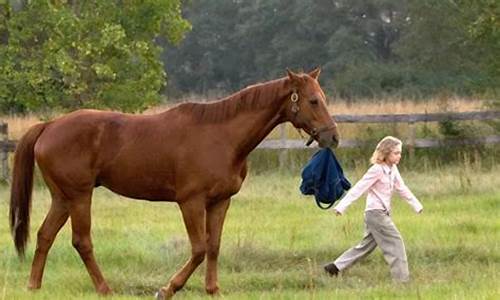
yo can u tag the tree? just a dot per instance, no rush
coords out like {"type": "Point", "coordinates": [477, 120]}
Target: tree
{"type": "Point", "coordinates": [72, 54]}
{"type": "Point", "coordinates": [366, 48]}
{"type": "Point", "coordinates": [484, 29]}
{"type": "Point", "coordinates": [262, 38]}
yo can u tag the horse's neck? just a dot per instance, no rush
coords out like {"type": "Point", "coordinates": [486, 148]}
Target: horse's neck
{"type": "Point", "coordinates": [244, 119]}
{"type": "Point", "coordinates": [253, 126]}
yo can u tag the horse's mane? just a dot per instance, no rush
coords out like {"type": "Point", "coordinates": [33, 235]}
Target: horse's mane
{"type": "Point", "coordinates": [250, 98]}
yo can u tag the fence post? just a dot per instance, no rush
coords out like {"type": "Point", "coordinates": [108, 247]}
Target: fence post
{"type": "Point", "coordinates": [283, 152]}
{"type": "Point", "coordinates": [411, 140]}
{"type": "Point", "coordinates": [4, 152]}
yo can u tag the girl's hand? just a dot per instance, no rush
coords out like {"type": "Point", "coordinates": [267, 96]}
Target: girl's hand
{"type": "Point", "coordinates": [338, 213]}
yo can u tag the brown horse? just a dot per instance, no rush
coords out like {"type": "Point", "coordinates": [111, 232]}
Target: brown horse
{"type": "Point", "coordinates": [193, 154]}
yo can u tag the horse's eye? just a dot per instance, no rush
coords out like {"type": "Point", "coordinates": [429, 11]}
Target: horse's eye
{"type": "Point", "coordinates": [313, 101]}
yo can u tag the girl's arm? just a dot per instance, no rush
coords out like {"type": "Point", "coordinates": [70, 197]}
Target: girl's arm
{"type": "Point", "coordinates": [371, 176]}
{"type": "Point", "coordinates": [404, 191]}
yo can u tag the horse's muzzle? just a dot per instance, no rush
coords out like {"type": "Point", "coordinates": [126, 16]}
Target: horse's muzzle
{"type": "Point", "coordinates": [335, 141]}
{"type": "Point", "coordinates": [328, 138]}
{"type": "Point", "coordinates": [327, 142]}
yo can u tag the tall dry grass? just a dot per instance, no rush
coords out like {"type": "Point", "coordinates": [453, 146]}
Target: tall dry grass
{"type": "Point", "coordinates": [377, 106]}
{"type": "Point", "coordinates": [18, 125]}
{"type": "Point", "coordinates": [399, 106]}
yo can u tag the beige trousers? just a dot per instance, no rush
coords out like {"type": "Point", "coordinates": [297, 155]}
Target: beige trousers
{"type": "Point", "coordinates": [379, 231]}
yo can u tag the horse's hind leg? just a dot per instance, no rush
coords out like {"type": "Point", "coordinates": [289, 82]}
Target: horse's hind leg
{"type": "Point", "coordinates": [216, 214]}
{"type": "Point", "coordinates": [55, 219]}
{"type": "Point", "coordinates": [80, 224]}
{"type": "Point", "coordinates": [193, 213]}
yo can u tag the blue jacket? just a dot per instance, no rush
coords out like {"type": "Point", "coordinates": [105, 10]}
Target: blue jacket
{"type": "Point", "coordinates": [324, 178]}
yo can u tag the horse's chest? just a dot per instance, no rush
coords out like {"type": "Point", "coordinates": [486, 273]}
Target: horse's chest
{"type": "Point", "coordinates": [224, 188]}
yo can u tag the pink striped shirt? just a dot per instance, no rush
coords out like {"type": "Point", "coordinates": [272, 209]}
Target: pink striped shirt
{"type": "Point", "coordinates": [379, 181]}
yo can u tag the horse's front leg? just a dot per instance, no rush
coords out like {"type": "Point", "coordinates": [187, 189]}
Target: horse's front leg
{"type": "Point", "coordinates": [216, 213]}
{"type": "Point", "coordinates": [193, 213]}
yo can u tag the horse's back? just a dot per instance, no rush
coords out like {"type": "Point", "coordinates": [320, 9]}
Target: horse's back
{"type": "Point", "coordinates": [88, 148]}
{"type": "Point", "coordinates": [77, 131]}
{"type": "Point", "coordinates": [71, 148]}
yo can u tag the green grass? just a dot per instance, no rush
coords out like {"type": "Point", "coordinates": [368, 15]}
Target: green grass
{"type": "Point", "coordinates": [275, 242]}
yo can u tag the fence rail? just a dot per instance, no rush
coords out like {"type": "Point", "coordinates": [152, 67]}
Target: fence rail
{"type": "Point", "coordinates": [283, 143]}
{"type": "Point", "coordinates": [417, 143]}
{"type": "Point", "coordinates": [411, 119]}
{"type": "Point", "coordinates": [414, 118]}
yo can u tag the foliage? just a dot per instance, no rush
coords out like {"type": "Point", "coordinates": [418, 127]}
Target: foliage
{"type": "Point", "coordinates": [109, 53]}
{"type": "Point", "coordinates": [84, 53]}
{"type": "Point", "coordinates": [367, 48]}
{"type": "Point", "coordinates": [485, 30]}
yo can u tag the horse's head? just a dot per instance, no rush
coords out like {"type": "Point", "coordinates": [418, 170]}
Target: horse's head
{"type": "Point", "coordinates": [306, 108]}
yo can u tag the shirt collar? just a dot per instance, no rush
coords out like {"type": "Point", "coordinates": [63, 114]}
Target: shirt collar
{"type": "Point", "coordinates": [387, 169]}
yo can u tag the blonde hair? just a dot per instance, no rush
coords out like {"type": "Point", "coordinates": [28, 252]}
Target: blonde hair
{"type": "Point", "coordinates": [384, 148]}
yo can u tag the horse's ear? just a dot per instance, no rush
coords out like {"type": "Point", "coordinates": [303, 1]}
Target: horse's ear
{"type": "Point", "coordinates": [315, 73]}
{"type": "Point", "coordinates": [293, 76]}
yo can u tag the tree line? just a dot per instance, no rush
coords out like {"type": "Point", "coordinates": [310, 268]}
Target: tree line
{"type": "Point", "coordinates": [120, 54]}
{"type": "Point", "coordinates": [367, 48]}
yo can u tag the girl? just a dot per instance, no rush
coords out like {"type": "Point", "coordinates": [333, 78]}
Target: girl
{"type": "Point", "coordinates": [379, 181]}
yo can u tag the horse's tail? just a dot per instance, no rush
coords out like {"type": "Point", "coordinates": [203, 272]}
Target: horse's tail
{"type": "Point", "coordinates": [22, 186]}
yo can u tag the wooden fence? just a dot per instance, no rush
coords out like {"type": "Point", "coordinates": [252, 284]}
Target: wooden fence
{"type": "Point", "coordinates": [283, 143]}
{"type": "Point", "coordinates": [411, 119]}
{"type": "Point", "coordinates": [6, 146]}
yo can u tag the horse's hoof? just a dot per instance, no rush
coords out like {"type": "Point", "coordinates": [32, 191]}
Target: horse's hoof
{"type": "Point", "coordinates": [163, 295]}
{"type": "Point", "coordinates": [105, 291]}
{"type": "Point", "coordinates": [159, 295]}
{"type": "Point", "coordinates": [213, 291]}
{"type": "Point", "coordinates": [34, 287]}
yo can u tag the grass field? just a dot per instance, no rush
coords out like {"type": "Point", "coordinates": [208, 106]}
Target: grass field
{"type": "Point", "coordinates": [275, 242]}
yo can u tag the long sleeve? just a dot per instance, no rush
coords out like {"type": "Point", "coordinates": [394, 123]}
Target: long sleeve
{"type": "Point", "coordinates": [371, 176]}
{"type": "Point", "coordinates": [406, 194]}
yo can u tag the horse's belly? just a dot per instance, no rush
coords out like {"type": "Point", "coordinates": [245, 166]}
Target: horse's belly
{"type": "Point", "coordinates": [141, 188]}
{"type": "Point", "coordinates": [161, 194]}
